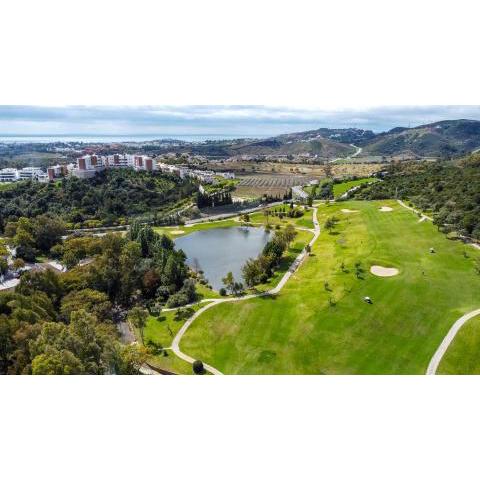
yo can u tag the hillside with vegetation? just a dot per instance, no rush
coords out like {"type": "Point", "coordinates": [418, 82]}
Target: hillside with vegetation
{"type": "Point", "coordinates": [445, 139]}
{"type": "Point", "coordinates": [451, 191]}
{"type": "Point", "coordinates": [102, 200]}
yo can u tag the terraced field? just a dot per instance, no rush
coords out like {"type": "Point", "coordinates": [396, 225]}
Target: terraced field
{"type": "Point", "coordinates": [252, 186]}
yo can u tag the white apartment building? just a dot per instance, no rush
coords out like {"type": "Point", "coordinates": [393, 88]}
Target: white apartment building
{"type": "Point", "coordinates": [88, 165]}
{"type": "Point", "coordinates": [9, 175]}
{"type": "Point", "coordinates": [27, 173]}
{"type": "Point", "coordinates": [31, 173]}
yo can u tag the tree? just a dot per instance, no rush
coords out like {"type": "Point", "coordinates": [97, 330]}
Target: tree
{"type": "Point", "coordinates": [329, 224]}
{"type": "Point", "coordinates": [138, 316]}
{"type": "Point", "coordinates": [57, 362]}
{"type": "Point", "coordinates": [18, 264]}
{"type": "Point", "coordinates": [229, 281]}
{"type": "Point", "coordinates": [89, 300]}
{"type": "Point", "coordinates": [47, 232]}
{"type": "Point", "coordinates": [251, 272]}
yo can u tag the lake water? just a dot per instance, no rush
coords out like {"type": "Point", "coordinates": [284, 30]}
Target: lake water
{"type": "Point", "coordinates": [221, 250]}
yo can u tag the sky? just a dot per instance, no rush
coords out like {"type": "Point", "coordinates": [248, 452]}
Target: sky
{"type": "Point", "coordinates": [211, 119]}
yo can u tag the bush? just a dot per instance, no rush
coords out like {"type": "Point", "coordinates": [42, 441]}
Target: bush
{"type": "Point", "coordinates": [198, 367]}
{"type": "Point", "coordinates": [177, 300]}
{"type": "Point", "coordinates": [222, 292]}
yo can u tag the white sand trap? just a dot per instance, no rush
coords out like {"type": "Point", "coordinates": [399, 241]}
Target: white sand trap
{"type": "Point", "coordinates": [177, 232]}
{"type": "Point", "coordinates": [385, 209]}
{"type": "Point", "coordinates": [346, 210]}
{"type": "Point", "coordinates": [383, 271]}
{"type": "Point", "coordinates": [422, 219]}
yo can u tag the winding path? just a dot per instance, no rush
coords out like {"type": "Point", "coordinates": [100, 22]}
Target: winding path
{"type": "Point", "coordinates": [437, 357]}
{"type": "Point", "coordinates": [292, 269]}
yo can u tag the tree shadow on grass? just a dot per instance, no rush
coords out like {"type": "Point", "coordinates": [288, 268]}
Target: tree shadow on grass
{"type": "Point", "coordinates": [269, 297]}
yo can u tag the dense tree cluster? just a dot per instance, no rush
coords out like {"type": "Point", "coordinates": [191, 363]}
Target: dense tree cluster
{"type": "Point", "coordinates": [283, 211]}
{"type": "Point", "coordinates": [214, 199]}
{"type": "Point", "coordinates": [323, 191]}
{"type": "Point", "coordinates": [101, 200]}
{"type": "Point", "coordinates": [35, 236]}
{"type": "Point", "coordinates": [44, 330]}
{"type": "Point", "coordinates": [450, 190]}
{"type": "Point", "coordinates": [258, 270]}
{"type": "Point", "coordinates": [65, 323]}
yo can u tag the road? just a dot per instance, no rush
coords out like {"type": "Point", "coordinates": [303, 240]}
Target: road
{"type": "Point", "coordinates": [293, 268]}
{"type": "Point", "coordinates": [437, 357]}
{"type": "Point", "coordinates": [223, 216]}
{"type": "Point", "coordinates": [358, 152]}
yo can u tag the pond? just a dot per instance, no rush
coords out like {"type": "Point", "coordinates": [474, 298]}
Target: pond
{"type": "Point", "coordinates": [221, 250]}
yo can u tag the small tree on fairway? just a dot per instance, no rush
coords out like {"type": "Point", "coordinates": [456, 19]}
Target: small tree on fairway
{"type": "Point", "coordinates": [198, 368]}
{"type": "Point", "coordinates": [229, 281]}
{"type": "Point", "coordinates": [138, 316]}
{"type": "Point", "coordinates": [329, 224]}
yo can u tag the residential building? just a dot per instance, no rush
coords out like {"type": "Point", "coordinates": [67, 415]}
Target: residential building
{"type": "Point", "coordinates": [9, 175]}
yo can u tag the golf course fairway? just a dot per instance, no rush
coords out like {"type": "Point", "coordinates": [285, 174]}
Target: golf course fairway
{"type": "Point", "coordinates": [320, 323]}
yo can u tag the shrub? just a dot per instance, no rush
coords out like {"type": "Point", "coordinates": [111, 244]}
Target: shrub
{"type": "Point", "coordinates": [222, 292]}
{"type": "Point", "coordinates": [198, 367]}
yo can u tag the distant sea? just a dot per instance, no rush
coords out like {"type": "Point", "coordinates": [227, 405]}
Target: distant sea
{"type": "Point", "coordinates": [119, 138]}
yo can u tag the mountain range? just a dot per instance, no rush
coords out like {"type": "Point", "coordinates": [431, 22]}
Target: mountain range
{"type": "Point", "coordinates": [444, 139]}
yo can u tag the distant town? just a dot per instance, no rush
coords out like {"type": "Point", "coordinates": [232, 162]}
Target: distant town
{"type": "Point", "coordinates": [87, 166]}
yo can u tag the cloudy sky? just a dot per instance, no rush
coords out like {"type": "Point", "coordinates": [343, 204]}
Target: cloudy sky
{"type": "Point", "coordinates": [207, 120]}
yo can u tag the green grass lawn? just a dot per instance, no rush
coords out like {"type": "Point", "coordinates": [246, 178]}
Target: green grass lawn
{"type": "Point", "coordinates": [162, 330]}
{"type": "Point", "coordinates": [180, 231]}
{"type": "Point", "coordinates": [340, 188]}
{"type": "Point", "coordinates": [463, 354]}
{"type": "Point", "coordinates": [205, 292]}
{"type": "Point", "coordinates": [298, 331]}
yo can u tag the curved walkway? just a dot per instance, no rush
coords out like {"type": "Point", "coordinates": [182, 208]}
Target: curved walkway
{"type": "Point", "coordinates": [215, 301]}
{"type": "Point", "coordinates": [437, 357]}
{"type": "Point", "coordinates": [414, 210]}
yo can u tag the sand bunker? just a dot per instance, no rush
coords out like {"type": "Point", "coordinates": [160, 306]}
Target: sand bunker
{"type": "Point", "coordinates": [422, 219]}
{"type": "Point", "coordinates": [383, 271]}
{"type": "Point", "coordinates": [346, 210]}
{"type": "Point", "coordinates": [176, 232]}
{"type": "Point", "coordinates": [386, 209]}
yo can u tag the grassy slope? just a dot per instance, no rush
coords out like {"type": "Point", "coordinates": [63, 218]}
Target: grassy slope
{"type": "Point", "coordinates": [162, 330]}
{"type": "Point", "coordinates": [463, 354]}
{"type": "Point", "coordinates": [298, 332]}
{"type": "Point", "coordinates": [341, 188]}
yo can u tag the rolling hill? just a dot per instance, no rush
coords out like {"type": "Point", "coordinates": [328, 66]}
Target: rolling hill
{"type": "Point", "coordinates": [445, 139]}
